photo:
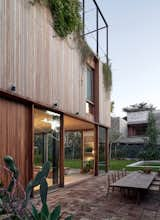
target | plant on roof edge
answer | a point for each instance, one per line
(67, 20)
(142, 106)
(85, 50)
(66, 15)
(107, 76)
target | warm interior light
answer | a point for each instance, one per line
(89, 158)
(45, 120)
(51, 113)
(54, 123)
(87, 107)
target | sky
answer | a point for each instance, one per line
(134, 50)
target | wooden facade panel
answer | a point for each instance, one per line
(43, 67)
(104, 101)
(16, 135)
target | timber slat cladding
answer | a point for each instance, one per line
(104, 100)
(43, 67)
(16, 136)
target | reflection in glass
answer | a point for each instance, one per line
(102, 144)
(47, 142)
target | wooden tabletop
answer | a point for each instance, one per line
(136, 180)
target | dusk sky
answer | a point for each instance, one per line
(134, 50)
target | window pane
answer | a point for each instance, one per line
(89, 84)
(46, 143)
(102, 144)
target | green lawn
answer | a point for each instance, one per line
(73, 164)
(121, 164)
(114, 164)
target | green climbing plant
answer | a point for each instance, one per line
(107, 76)
(66, 15)
(67, 20)
(85, 50)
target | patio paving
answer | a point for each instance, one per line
(87, 201)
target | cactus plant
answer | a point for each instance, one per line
(46, 215)
(40, 179)
(16, 208)
(11, 166)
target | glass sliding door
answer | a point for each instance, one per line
(102, 152)
(47, 143)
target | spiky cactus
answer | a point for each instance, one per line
(11, 166)
(39, 180)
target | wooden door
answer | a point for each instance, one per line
(16, 136)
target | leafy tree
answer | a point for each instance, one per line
(151, 151)
(152, 131)
(112, 106)
(143, 106)
(114, 135)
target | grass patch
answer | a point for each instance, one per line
(114, 164)
(121, 164)
(76, 164)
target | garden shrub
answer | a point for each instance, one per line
(135, 152)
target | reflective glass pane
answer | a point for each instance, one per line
(47, 142)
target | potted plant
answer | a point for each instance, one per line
(89, 167)
(88, 149)
(147, 170)
(158, 172)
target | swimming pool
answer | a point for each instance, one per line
(146, 164)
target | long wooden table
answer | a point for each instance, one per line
(136, 180)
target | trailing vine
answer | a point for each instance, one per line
(85, 50)
(107, 76)
(66, 15)
(67, 20)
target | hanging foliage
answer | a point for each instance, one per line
(66, 15)
(107, 76)
(85, 50)
(67, 20)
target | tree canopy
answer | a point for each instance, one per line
(143, 106)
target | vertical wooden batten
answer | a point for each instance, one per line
(96, 90)
(16, 136)
(31, 153)
(107, 151)
(82, 149)
(61, 150)
(96, 148)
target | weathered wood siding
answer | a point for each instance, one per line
(16, 136)
(104, 101)
(41, 65)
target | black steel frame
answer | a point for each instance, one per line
(98, 13)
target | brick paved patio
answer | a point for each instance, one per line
(87, 201)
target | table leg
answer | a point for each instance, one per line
(138, 197)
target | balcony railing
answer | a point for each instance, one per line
(103, 25)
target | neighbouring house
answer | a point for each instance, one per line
(118, 126)
(136, 125)
(45, 92)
